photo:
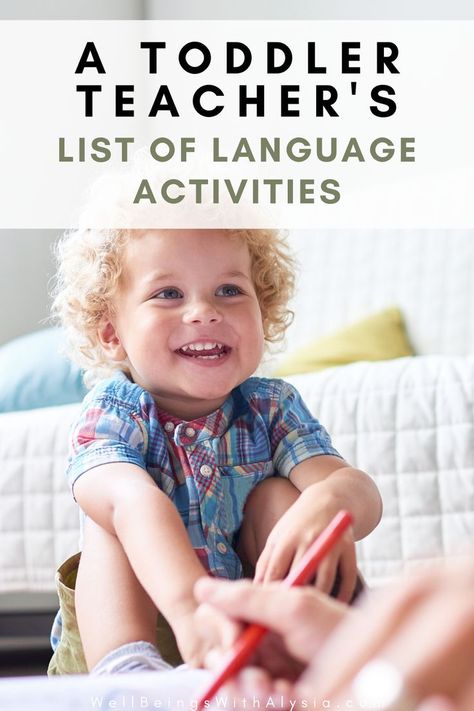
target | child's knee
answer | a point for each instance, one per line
(275, 494)
(264, 507)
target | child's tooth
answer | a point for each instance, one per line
(209, 346)
(199, 346)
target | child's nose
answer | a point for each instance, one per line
(202, 312)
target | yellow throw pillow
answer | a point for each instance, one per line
(378, 337)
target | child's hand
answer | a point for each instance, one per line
(293, 534)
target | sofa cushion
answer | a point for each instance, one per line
(378, 337)
(34, 373)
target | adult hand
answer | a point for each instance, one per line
(423, 628)
(197, 648)
(299, 620)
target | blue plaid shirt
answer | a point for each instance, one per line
(208, 466)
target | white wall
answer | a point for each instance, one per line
(243, 9)
(26, 266)
(71, 9)
(310, 9)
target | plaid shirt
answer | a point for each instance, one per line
(207, 466)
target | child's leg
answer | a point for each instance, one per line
(112, 607)
(264, 507)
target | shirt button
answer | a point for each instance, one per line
(189, 432)
(206, 470)
(222, 548)
(169, 427)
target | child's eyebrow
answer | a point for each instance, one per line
(235, 274)
(157, 276)
(165, 276)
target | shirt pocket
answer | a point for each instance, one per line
(236, 484)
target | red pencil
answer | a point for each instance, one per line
(252, 635)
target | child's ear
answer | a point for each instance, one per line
(110, 341)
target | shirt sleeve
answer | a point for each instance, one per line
(106, 431)
(295, 434)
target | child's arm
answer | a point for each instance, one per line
(327, 484)
(348, 488)
(123, 499)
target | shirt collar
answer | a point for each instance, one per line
(185, 433)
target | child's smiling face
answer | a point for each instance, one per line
(187, 318)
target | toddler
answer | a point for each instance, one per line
(182, 463)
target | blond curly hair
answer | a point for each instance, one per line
(90, 264)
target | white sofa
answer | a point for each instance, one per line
(409, 422)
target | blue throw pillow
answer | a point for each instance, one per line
(33, 373)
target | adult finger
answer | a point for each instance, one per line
(437, 703)
(427, 663)
(359, 637)
(307, 620)
(216, 627)
(466, 697)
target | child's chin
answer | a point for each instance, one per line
(211, 391)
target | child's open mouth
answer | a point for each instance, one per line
(204, 351)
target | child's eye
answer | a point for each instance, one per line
(228, 290)
(169, 293)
